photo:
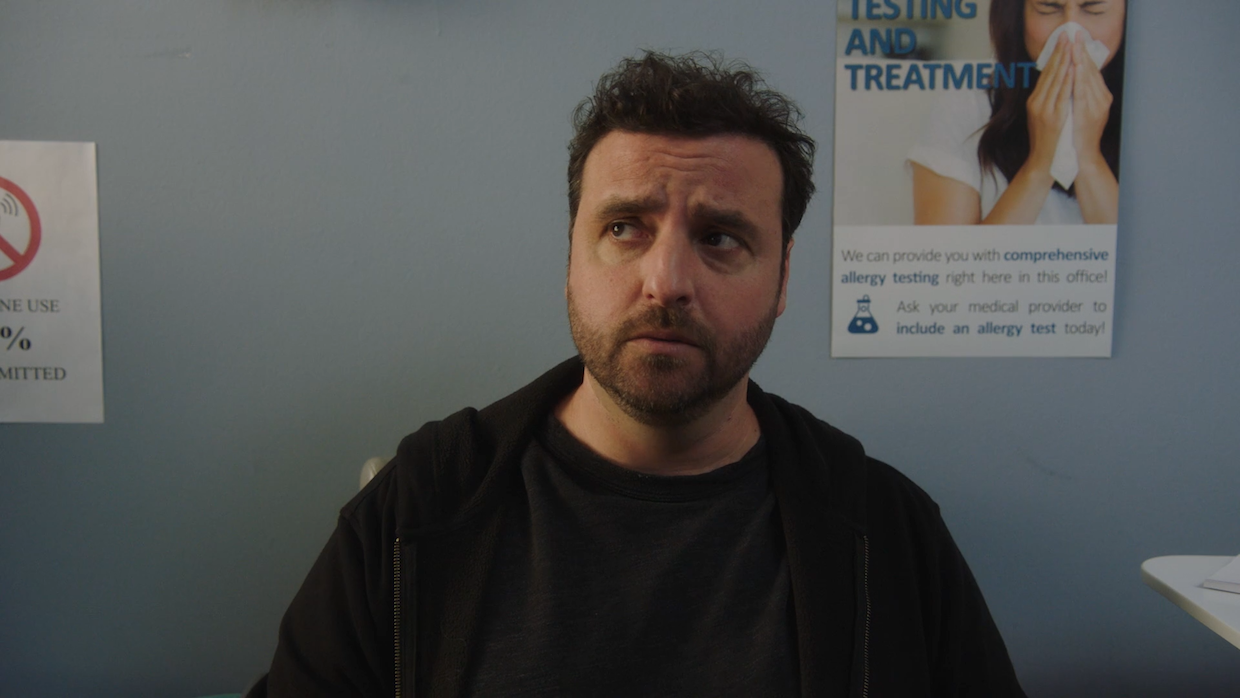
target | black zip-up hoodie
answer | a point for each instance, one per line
(884, 603)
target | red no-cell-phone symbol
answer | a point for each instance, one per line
(20, 230)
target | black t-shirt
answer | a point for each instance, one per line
(609, 582)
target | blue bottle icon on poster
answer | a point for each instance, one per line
(863, 322)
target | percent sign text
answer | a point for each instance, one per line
(15, 338)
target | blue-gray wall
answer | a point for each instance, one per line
(323, 223)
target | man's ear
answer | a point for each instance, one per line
(783, 286)
(568, 264)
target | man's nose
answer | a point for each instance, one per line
(668, 269)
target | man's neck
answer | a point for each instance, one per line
(721, 436)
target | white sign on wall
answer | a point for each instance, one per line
(976, 179)
(973, 291)
(51, 355)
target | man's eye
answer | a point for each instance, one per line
(721, 241)
(621, 230)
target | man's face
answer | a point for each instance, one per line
(674, 278)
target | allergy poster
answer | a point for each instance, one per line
(976, 177)
(51, 356)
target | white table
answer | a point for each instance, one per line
(1179, 578)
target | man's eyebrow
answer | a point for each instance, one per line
(619, 206)
(703, 215)
(734, 221)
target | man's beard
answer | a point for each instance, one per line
(658, 389)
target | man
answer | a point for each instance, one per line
(643, 520)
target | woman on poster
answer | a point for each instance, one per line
(987, 157)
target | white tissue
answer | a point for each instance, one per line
(1065, 166)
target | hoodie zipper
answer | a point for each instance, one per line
(396, 609)
(864, 646)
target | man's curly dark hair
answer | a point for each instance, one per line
(695, 94)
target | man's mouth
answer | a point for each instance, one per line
(669, 336)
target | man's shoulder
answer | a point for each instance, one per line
(413, 488)
(803, 423)
(838, 465)
(442, 470)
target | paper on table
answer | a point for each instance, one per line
(1226, 579)
(1064, 167)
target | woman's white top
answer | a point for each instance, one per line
(948, 146)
